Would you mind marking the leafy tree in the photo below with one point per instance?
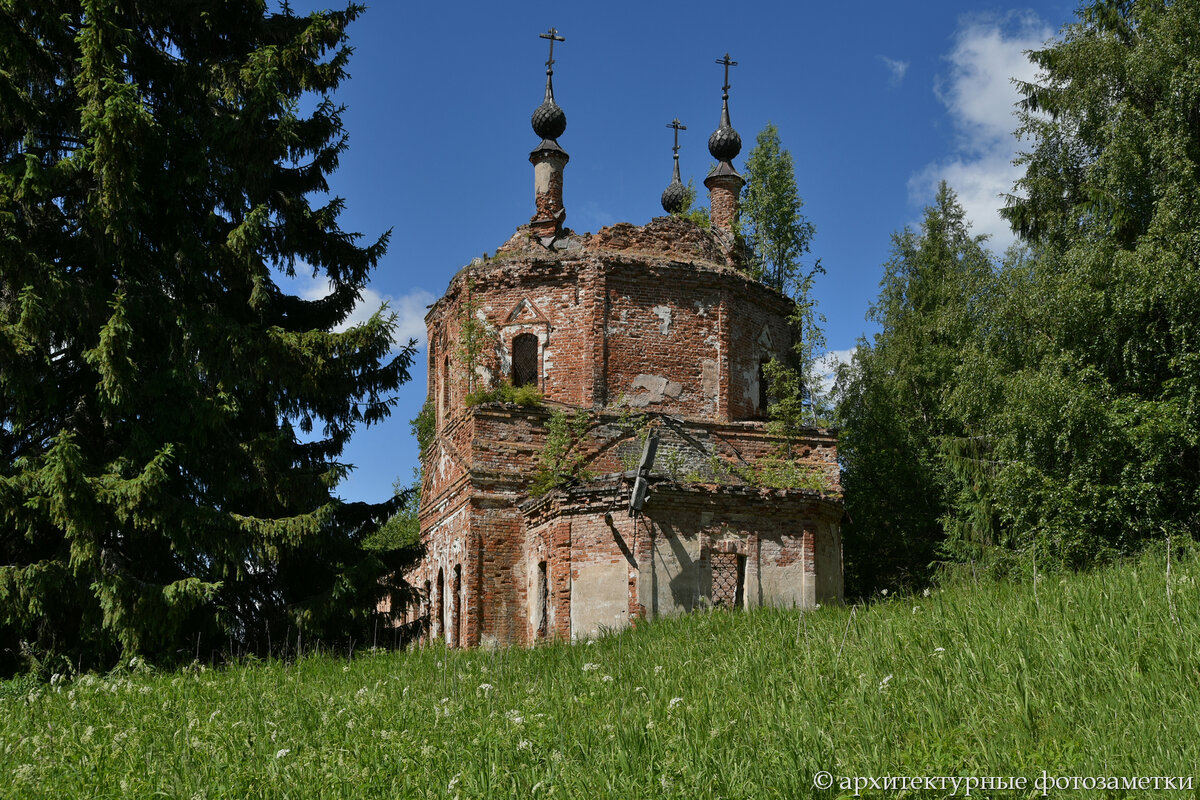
(1097, 428)
(777, 235)
(171, 419)
(769, 214)
(893, 408)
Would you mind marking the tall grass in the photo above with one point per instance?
(1091, 676)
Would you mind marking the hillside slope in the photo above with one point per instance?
(1093, 675)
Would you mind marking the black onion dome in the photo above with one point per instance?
(549, 121)
(725, 143)
(674, 197)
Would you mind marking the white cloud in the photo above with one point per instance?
(826, 366)
(979, 95)
(896, 69)
(409, 308)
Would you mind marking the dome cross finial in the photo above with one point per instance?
(675, 195)
(728, 64)
(553, 36)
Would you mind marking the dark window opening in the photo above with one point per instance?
(543, 595)
(525, 360)
(456, 627)
(764, 387)
(439, 606)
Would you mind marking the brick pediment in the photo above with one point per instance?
(525, 312)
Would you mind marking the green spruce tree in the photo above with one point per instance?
(171, 419)
(893, 409)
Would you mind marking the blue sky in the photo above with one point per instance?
(875, 101)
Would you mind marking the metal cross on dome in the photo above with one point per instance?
(678, 126)
(727, 64)
(553, 36)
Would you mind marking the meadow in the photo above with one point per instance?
(1094, 674)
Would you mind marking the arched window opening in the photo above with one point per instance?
(446, 389)
(525, 360)
(457, 626)
(439, 607)
(764, 387)
(543, 600)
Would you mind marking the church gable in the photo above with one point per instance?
(525, 313)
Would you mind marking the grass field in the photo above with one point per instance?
(1090, 675)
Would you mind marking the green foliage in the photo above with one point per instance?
(171, 420)
(636, 426)
(692, 212)
(474, 335)
(795, 401)
(528, 396)
(769, 213)
(1051, 409)
(1096, 429)
(783, 473)
(424, 427)
(778, 235)
(979, 678)
(402, 531)
(562, 458)
(893, 410)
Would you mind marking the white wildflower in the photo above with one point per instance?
(926, 593)
(883, 592)
(453, 782)
(485, 688)
(657, 668)
(916, 609)
(515, 717)
(524, 744)
(283, 752)
(607, 678)
(674, 702)
(883, 683)
(590, 666)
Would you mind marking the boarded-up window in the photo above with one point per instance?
(728, 579)
(525, 360)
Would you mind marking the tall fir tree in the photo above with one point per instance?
(893, 411)
(171, 418)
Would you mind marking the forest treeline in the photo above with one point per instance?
(1043, 411)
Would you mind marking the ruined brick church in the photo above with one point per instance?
(657, 337)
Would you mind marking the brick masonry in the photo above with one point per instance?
(652, 323)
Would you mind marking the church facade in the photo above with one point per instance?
(647, 346)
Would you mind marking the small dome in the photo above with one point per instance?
(549, 121)
(725, 143)
(674, 197)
